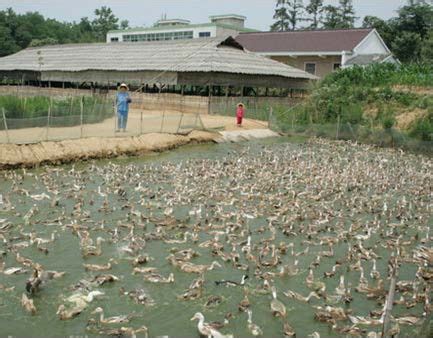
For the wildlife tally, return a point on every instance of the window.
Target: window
(204, 34)
(337, 66)
(114, 39)
(158, 36)
(310, 67)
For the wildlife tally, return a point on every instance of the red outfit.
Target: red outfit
(240, 111)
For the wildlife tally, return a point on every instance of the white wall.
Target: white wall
(196, 32)
(372, 45)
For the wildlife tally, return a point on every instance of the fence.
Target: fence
(285, 122)
(29, 119)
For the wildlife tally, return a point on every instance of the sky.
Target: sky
(145, 12)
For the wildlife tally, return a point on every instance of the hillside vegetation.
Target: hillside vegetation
(381, 103)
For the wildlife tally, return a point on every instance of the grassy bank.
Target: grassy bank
(25, 112)
(381, 104)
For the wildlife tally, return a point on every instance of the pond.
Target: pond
(315, 202)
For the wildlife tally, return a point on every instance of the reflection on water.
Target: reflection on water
(283, 194)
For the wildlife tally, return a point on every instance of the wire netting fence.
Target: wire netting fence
(283, 121)
(26, 119)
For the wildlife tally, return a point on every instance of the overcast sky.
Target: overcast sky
(145, 12)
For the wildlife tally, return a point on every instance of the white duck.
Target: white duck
(206, 329)
(254, 329)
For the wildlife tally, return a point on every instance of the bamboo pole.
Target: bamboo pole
(6, 125)
(81, 117)
(162, 121)
(180, 123)
(390, 300)
(141, 123)
(270, 117)
(338, 127)
(48, 120)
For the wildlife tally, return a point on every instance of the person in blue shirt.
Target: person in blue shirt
(122, 101)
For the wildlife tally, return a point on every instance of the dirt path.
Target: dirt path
(138, 124)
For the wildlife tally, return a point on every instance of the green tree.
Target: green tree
(7, 42)
(407, 46)
(384, 28)
(347, 12)
(294, 10)
(315, 10)
(332, 18)
(416, 18)
(281, 17)
(427, 49)
(124, 24)
(105, 21)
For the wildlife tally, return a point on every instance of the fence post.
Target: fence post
(338, 127)
(81, 117)
(270, 117)
(180, 123)
(115, 117)
(6, 125)
(141, 123)
(162, 121)
(390, 299)
(48, 120)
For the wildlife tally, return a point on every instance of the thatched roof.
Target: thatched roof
(223, 55)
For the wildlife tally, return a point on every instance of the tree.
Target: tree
(294, 10)
(416, 18)
(332, 17)
(124, 24)
(384, 28)
(315, 10)
(347, 12)
(340, 17)
(105, 21)
(427, 49)
(407, 46)
(281, 16)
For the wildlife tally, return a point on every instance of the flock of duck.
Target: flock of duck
(306, 233)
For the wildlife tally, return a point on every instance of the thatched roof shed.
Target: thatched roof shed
(207, 61)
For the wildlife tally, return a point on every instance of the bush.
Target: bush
(422, 129)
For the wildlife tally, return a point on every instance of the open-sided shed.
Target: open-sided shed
(198, 62)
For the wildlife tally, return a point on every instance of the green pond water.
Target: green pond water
(170, 316)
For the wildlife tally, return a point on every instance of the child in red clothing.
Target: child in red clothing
(240, 112)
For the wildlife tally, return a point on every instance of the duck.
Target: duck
(99, 267)
(65, 314)
(244, 304)
(288, 330)
(374, 274)
(156, 278)
(28, 304)
(340, 290)
(207, 329)
(232, 283)
(111, 320)
(297, 296)
(213, 301)
(90, 250)
(193, 268)
(277, 307)
(253, 328)
(104, 278)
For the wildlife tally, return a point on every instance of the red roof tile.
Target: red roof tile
(303, 41)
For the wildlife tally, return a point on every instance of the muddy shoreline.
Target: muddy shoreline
(54, 153)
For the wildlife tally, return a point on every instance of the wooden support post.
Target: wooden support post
(162, 121)
(81, 117)
(141, 122)
(180, 123)
(390, 299)
(227, 99)
(242, 93)
(6, 125)
(210, 99)
(48, 120)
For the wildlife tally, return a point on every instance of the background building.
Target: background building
(319, 52)
(179, 29)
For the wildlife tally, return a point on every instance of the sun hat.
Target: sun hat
(123, 85)
(240, 104)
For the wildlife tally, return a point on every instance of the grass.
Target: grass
(363, 103)
(33, 111)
